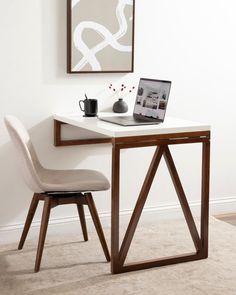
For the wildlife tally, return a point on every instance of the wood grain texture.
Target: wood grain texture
(97, 223)
(200, 241)
(43, 231)
(182, 199)
(140, 204)
(29, 218)
(115, 208)
(52, 200)
(58, 141)
(82, 221)
(205, 196)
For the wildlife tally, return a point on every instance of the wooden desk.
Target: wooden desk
(172, 131)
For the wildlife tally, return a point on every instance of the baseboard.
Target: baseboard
(225, 205)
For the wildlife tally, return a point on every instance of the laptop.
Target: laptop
(150, 105)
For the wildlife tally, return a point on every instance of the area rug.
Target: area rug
(71, 266)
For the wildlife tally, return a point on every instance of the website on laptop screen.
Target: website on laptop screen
(152, 98)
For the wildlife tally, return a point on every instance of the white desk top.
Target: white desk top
(170, 125)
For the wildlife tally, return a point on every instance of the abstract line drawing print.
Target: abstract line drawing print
(94, 58)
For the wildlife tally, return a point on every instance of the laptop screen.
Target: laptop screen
(152, 98)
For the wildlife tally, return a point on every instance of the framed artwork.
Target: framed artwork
(100, 36)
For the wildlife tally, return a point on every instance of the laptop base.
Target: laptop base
(129, 121)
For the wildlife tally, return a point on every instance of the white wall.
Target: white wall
(191, 43)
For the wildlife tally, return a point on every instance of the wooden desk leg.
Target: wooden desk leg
(140, 205)
(118, 254)
(183, 200)
(115, 208)
(205, 197)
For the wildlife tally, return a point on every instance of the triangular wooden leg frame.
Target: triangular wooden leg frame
(119, 254)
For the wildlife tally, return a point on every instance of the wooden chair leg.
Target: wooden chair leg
(43, 231)
(97, 223)
(29, 218)
(82, 221)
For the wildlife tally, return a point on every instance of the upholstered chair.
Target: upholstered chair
(54, 187)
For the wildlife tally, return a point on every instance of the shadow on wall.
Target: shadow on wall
(13, 190)
(15, 196)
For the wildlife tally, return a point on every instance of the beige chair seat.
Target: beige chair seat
(79, 180)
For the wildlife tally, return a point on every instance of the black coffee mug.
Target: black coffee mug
(90, 107)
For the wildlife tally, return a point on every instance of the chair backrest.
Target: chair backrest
(26, 155)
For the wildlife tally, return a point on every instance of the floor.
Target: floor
(229, 218)
(71, 266)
